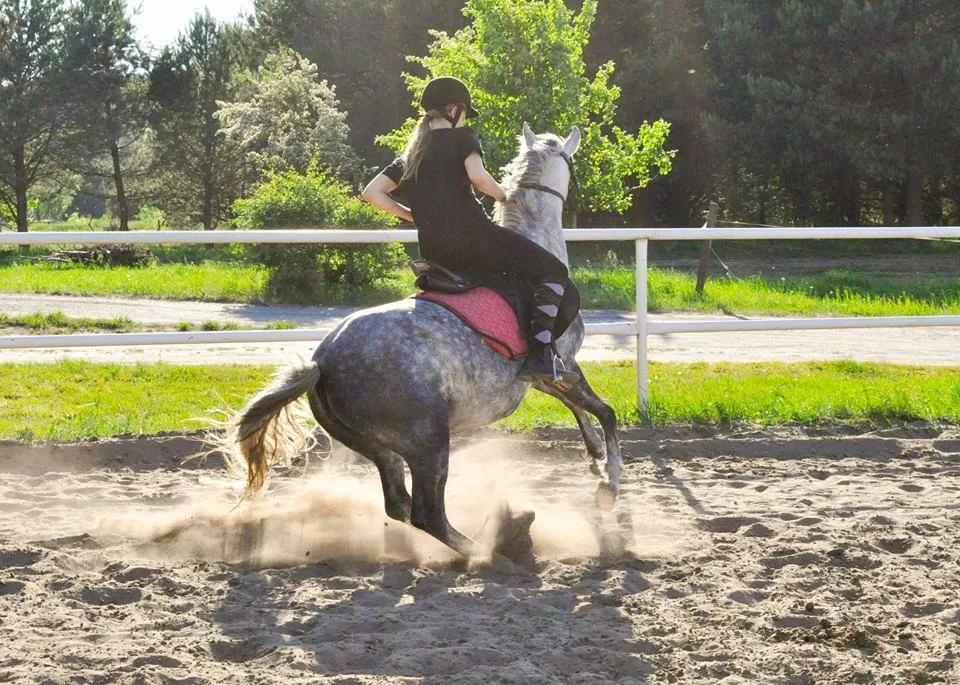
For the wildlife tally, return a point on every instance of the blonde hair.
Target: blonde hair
(418, 140)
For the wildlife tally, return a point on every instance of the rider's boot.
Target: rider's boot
(542, 362)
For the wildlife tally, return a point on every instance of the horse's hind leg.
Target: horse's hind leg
(429, 462)
(396, 500)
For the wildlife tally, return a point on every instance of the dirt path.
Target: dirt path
(763, 557)
(926, 346)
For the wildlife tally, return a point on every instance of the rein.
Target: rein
(551, 191)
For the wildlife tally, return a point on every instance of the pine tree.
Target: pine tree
(199, 171)
(31, 105)
(109, 73)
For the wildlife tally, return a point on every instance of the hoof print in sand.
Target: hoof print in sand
(15, 558)
(726, 524)
(82, 541)
(105, 594)
(11, 587)
(238, 651)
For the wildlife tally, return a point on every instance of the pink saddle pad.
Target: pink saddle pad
(486, 312)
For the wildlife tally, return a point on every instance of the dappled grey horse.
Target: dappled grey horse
(394, 382)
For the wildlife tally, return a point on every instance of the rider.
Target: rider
(435, 175)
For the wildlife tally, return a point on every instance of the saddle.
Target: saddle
(435, 278)
(493, 305)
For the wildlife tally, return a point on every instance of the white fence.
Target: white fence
(641, 328)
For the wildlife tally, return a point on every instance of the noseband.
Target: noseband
(551, 191)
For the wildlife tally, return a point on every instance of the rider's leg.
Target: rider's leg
(496, 248)
(542, 362)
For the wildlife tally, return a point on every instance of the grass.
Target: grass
(835, 292)
(765, 394)
(75, 399)
(58, 322)
(213, 281)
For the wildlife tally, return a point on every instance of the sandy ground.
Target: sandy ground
(756, 557)
(925, 346)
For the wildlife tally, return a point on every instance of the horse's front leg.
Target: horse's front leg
(580, 400)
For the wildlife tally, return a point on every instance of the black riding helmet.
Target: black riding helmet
(443, 91)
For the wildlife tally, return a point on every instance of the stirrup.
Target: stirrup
(562, 378)
(555, 374)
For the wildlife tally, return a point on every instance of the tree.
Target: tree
(359, 45)
(199, 172)
(108, 69)
(31, 107)
(658, 47)
(523, 61)
(844, 109)
(285, 118)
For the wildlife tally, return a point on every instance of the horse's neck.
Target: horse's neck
(538, 217)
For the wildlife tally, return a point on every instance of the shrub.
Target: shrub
(314, 200)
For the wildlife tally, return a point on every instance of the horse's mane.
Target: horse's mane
(527, 167)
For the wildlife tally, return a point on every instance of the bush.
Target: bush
(313, 200)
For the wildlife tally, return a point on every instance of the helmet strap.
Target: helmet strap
(453, 117)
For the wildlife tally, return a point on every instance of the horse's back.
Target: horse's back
(413, 361)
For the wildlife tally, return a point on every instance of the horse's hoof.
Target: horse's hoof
(606, 496)
(595, 468)
(499, 564)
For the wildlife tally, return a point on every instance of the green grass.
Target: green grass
(834, 292)
(74, 399)
(215, 281)
(222, 273)
(58, 322)
(208, 281)
(766, 394)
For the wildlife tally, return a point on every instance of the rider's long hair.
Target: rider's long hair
(419, 139)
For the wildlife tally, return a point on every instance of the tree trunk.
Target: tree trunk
(20, 187)
(914, 212)
(851, 201)
(207, 216)
(890, 193)
(123, 210)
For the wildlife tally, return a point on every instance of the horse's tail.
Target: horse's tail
(265, 431)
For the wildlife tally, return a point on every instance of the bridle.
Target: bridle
(551, 191)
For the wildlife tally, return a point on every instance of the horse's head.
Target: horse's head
(544, 163)
(536, 183)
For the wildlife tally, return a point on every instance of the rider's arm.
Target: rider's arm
(378, 192)
(481, 179)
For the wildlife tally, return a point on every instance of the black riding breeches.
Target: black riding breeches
(492, 249)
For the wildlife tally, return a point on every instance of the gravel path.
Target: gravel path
(927, 346)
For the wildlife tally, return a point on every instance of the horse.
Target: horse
(393, 382)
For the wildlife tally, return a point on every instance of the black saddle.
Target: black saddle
(431, 276)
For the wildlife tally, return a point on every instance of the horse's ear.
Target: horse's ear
(529, 137)
(572, 142)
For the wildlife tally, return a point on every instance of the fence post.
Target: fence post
(642, 389)
(705, 250)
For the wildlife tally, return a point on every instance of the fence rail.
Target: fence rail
(641, 328)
